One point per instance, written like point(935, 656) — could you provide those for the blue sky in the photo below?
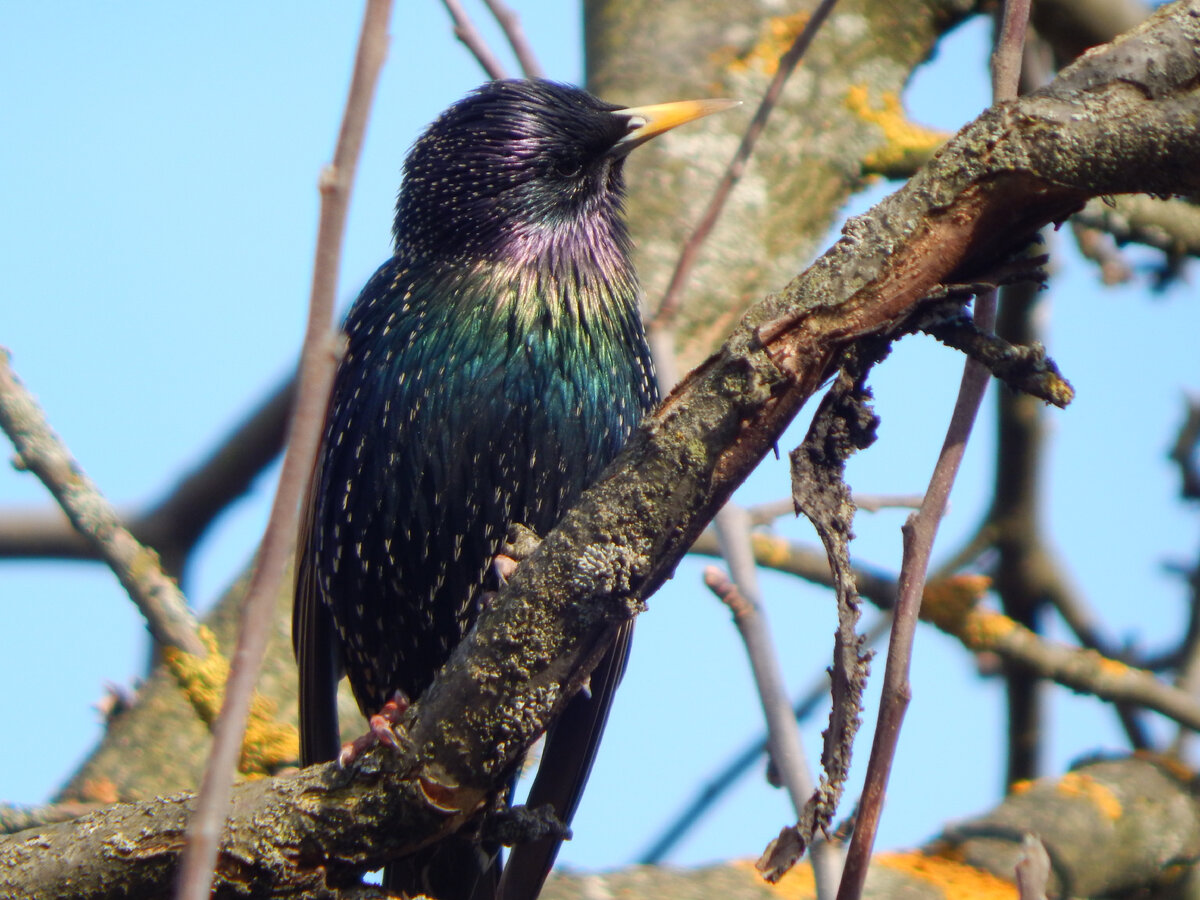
point(156, 241)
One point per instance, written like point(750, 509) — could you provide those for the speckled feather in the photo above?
point(495, 365)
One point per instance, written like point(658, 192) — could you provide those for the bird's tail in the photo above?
point(570, 750)
point(456, 867)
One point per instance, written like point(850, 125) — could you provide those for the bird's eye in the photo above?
point(568, 168)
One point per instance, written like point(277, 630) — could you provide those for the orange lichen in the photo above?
point(797, 884)
point(99, 790)
point(954, 879)
point(1077, 784)
point(1170, 764)
point(1111, 668)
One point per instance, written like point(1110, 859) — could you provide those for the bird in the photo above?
point(492, 368)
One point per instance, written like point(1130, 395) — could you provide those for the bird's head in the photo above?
point(523, 161)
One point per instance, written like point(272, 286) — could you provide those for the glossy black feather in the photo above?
point(494, 366)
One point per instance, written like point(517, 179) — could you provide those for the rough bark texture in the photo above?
point(1093, 822)
point(811, 158)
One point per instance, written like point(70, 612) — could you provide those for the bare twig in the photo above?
point(1010, 48)
point(1085, 670)
point(669, 305)
point(1100, 247)
point(1033, 869)
point(951, 606)
point(317, 363)
point(919, 533)
point(468, 34)
point(876, 502)
point(922, 526)
point(727, 776)
point(510, 24)
point(42, 452)
point(174, 524)
point(1185, 452)
point(743, 598)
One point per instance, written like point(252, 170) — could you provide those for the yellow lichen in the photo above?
point(954, 879)
point(268, 743)
point(1078, 784)
point(202, 678)
point(949, 602)
point(775, 38)
point(905, 143)
point(985, 628)
point(772, 552)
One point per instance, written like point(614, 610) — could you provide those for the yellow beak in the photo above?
point(646, 122)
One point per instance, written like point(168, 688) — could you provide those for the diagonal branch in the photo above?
point(137, 568)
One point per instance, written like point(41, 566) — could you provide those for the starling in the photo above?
point(494, 366)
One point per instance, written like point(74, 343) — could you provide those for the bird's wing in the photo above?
point(315, 643)
point(570, 750)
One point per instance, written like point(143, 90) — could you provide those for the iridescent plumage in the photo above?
point(494, 366)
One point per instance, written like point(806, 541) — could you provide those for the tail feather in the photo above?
point(571, 746)
point(313, 639)
point(455, 868)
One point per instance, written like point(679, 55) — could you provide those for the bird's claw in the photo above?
point(382, 730)
point(503, 566)
point(519, 544)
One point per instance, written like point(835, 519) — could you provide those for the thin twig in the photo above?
point(1083, 670)
point(317, 363)
point(922, 526)
point(669, 305)
point(726, 777)
point(1010, 50)
point(918, 533)
point(42, 452)
point(743, 597)
point(983, 630)
point(468, 34)
point(510, 24)
point(1185, 452)
point(174, 524)
point(876, 502)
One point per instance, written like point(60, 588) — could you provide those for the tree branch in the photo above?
point(41, 451)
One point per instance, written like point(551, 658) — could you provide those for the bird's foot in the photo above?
point(503, 567)
point(383, 730)
point(519, 544)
